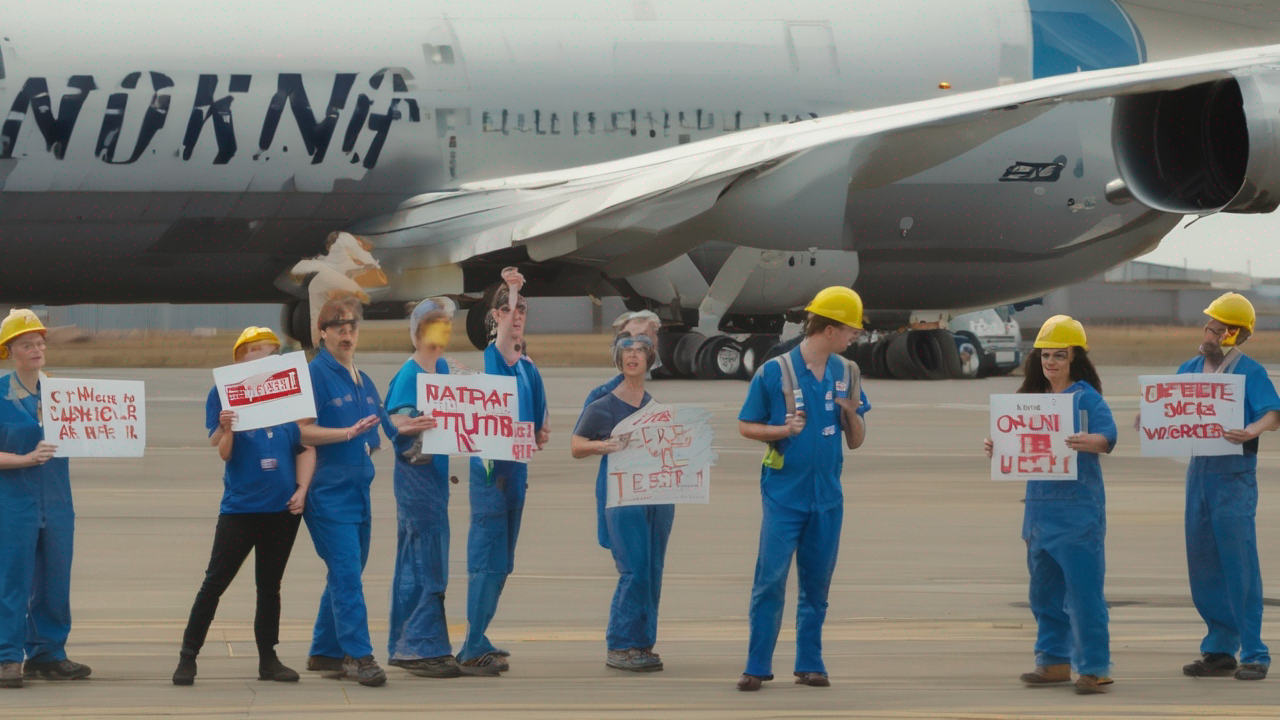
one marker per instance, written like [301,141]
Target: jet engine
[1211,147]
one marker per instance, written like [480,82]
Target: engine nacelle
[1213,147]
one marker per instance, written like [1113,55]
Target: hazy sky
[1230,243]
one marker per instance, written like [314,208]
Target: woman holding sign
[498,486]
[37,517]
[637,533]
[338,515]
[419,637]
[1065,523]
[264,490]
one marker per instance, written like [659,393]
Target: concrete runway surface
[927,619]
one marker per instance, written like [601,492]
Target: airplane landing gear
[295,321]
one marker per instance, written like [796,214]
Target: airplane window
[439,54]
[1074,35]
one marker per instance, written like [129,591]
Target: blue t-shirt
[1259,392]
[417,486]
[1089,467]
[597,423]
[261,475]
[809,478]
[344,471]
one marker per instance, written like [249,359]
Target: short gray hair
[644,315]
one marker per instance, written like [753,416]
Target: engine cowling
[1211,147]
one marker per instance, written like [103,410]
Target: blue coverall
[1065,527]
[418,625]
[637,535]
[803,512]
[39,532]
[1222,539]
[497,504]
[602,529]
[337,511]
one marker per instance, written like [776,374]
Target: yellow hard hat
[1233,309]
[254,334]
[19,322]
[1061,331]
[838,303]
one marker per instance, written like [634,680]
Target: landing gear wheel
[477,330]
[295,321]
[970,351]
[753,352]
[898,358]
[667,342]
[927,351]
[718,358]
[685,358]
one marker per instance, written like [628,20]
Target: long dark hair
[1081,368]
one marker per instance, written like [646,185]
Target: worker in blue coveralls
[498,486]
[642,322]
[268,471]
[636,534]
[345,434]
[1222,504]
[1065,523]
[419,636]
[37,517]
[800,481]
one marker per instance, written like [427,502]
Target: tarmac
[928,615]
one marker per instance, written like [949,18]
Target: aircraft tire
[667,342]
[973,367]
[753,353]
[879,359]
[477,333]
[684,359]
[898,360]
[718,358]
[949,352]
[298,325]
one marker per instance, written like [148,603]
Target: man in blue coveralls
[1222,501]
[800,482]
[338,516]
[498,486]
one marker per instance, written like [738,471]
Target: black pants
[271,536]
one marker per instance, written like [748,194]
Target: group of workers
[805,407]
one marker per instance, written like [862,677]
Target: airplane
[717,162]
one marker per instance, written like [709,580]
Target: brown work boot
[813,679]
[1091,685]
[751,683]
[11,675]
[1047,675]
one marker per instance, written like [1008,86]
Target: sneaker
[484,664]
[751,683]
[648,652]
[324,663]
[812,679]
[1251,671]
[1090,685]
[632,660]
[1211,665]
[271,668]
[186,672]
[364,670]
[1047,674]
[10,675]
[56,670]
[444,666]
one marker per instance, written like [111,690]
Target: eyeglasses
[342,327]
[627,342]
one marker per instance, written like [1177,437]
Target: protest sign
[266,392]
[1189,414]
[1030,434]
[478,415]
[666,457]
[94,418]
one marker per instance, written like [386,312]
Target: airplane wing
[629,202]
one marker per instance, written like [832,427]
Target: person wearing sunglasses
[636,534]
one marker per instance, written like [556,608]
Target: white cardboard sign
[94,418]
[1030,434]
[666,457]
[267,392]
[479,416]
[1188,414]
